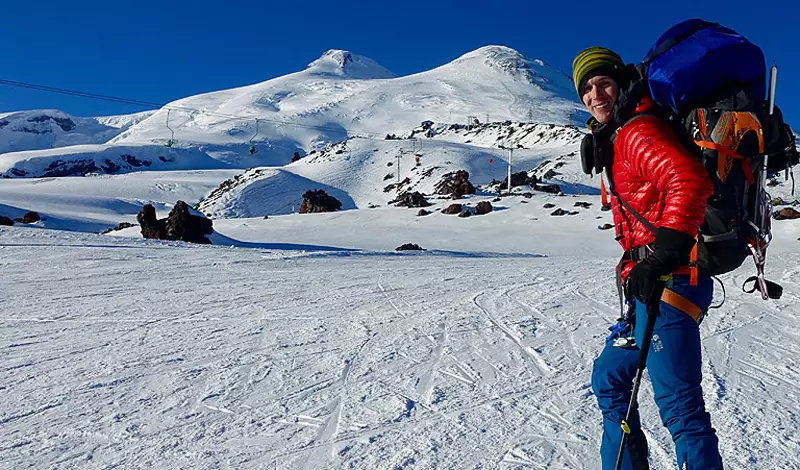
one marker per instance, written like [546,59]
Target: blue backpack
[710,83]
[695,64]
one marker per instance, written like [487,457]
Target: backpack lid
[697,64]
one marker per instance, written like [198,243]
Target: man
[652,174]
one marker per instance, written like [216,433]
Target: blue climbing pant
[675,369]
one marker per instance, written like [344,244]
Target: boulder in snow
[29,218]
[411,199]
[409,246]
[453,209]
[319,201]
[483,207]
[182,224]
[456,184]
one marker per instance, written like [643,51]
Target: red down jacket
[658,178]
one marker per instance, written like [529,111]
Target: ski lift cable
[168,107]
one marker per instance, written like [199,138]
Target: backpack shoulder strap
[633,212]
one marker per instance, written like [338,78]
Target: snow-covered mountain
[46,129]
[338,95]
[343,94]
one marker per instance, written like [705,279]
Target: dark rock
[483,207]
[455,183]
[423,212]
[585,205]
[29,218]
[388,177]
[151,226]
[465,213]
[605,226]
[605,208]
[497,199]
[453,209]
[548,188]
[119,226]
[519,179]
[549,205]
[559,212]
[409,246]
[318,201]
[411,199]
[182,225]
[296,157]
[778,202]
[5,220]
[787,213]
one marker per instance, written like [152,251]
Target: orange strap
[603,192]
[683,304]
[748,173]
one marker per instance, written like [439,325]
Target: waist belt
[641,252]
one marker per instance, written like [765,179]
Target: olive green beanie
[594,61]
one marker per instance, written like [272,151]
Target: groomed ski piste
[305,341]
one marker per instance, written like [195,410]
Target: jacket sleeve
[659,158]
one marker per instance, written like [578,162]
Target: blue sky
[158,51]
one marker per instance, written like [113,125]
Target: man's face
[599,96]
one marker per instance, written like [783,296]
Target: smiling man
[660,197]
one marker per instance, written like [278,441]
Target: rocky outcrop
[409,246]
[455,184]
[411,199]
[29,218]
[319,201]
[180,225]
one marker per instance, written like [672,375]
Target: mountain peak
[348,65]
[511,62]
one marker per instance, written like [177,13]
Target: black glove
[672,251]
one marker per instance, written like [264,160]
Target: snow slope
[307,342]
[300,353]
[359,171]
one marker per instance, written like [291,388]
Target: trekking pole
[760,217]
[652,313]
